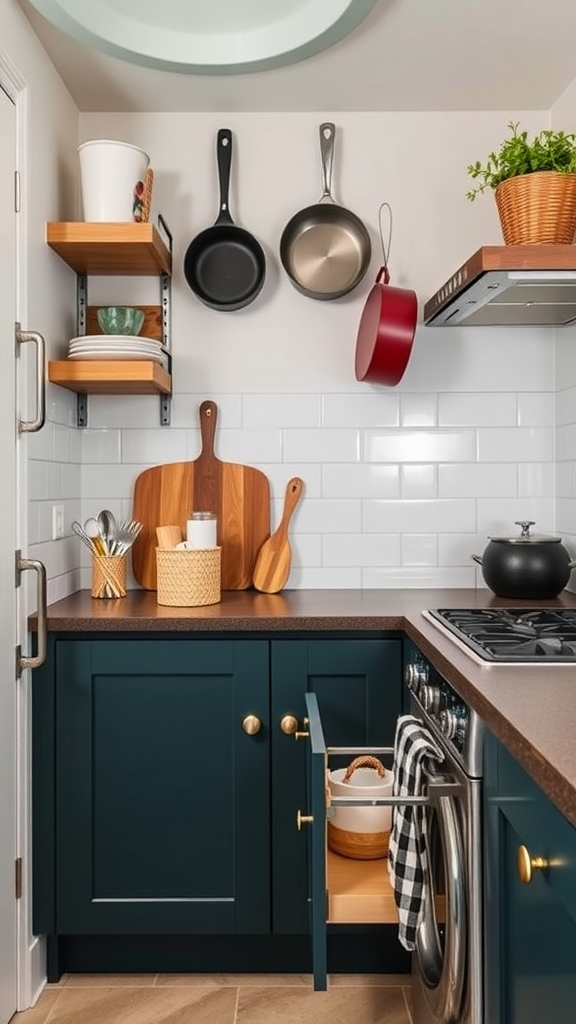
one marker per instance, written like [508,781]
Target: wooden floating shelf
[359,891]
[113,377]
[110,249]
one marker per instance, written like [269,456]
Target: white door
[8,849]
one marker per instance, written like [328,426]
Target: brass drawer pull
[526,864]
[303,819]
[289,725]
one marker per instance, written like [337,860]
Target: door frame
[30,953]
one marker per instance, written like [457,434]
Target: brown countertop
[530,708]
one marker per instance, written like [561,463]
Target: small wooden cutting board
[275,556]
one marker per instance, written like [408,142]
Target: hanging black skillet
[225,265]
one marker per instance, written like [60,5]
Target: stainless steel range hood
[509,286]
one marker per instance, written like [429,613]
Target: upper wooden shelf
[117,377]
[110,249]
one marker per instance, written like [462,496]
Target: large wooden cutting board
[239,495]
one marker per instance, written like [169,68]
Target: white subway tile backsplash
[419,410]
[103,483]
[419,446]
[469,410]
[536,409]
[498,516]
[248,447]
[515,444]
[330,515]
[565,406]
[419,481]
[566,442]
[536,479]
[419,549]
[458,548]
[321,445]
[154,446]
[423,577]
[327,578]
[419,516]
[101,445]
[362,549]
[365,480]
[477,480]
[262,412]
[363,410]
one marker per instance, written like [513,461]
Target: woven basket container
[188,577]
[108,576]
[538,208]
[361,833]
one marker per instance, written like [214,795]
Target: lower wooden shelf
[116,377]
[359,891]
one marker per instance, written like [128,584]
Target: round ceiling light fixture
[207,37]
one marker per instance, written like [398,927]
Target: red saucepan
[387,327]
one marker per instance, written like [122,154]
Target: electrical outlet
[57,522]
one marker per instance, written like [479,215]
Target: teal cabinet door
[162,797]
[530,928]
[358,685]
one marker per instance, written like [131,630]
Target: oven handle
[445,976]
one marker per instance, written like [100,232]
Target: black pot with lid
[526,567]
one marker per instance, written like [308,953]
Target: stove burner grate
[514,634]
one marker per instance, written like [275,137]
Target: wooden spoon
[275,556]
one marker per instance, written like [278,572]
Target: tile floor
[221,999]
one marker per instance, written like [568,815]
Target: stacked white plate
[116,346]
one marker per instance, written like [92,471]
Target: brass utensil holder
[108,576]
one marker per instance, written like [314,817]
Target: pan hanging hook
[385,248]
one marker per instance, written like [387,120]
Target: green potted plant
[534,184]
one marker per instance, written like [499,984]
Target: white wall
[402,484]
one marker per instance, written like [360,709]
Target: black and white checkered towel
[407,858]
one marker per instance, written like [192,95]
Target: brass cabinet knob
[289,724]
[251,724]
[303,819]
[526,864]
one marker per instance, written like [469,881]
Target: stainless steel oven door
[441,953]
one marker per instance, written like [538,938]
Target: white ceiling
[428,55]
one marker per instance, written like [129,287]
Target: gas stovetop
[512,635]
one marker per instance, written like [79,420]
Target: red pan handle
[383,276]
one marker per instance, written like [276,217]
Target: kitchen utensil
[126,533]
[120,319]
[238,495]
[225,265]
[529,566]
[325,249]
[274,558]
[387,327]
[107,525]
[168,536]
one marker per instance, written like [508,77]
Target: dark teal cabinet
[162,798]
[530,928]
[159,812]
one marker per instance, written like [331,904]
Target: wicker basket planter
[538,208]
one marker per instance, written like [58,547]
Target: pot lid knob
[524,525]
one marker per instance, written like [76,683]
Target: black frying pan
[325,249]
[225,265]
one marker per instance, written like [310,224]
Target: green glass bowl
[120,319]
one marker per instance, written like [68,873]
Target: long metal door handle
[22,565]
[446,969]
[30,426]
